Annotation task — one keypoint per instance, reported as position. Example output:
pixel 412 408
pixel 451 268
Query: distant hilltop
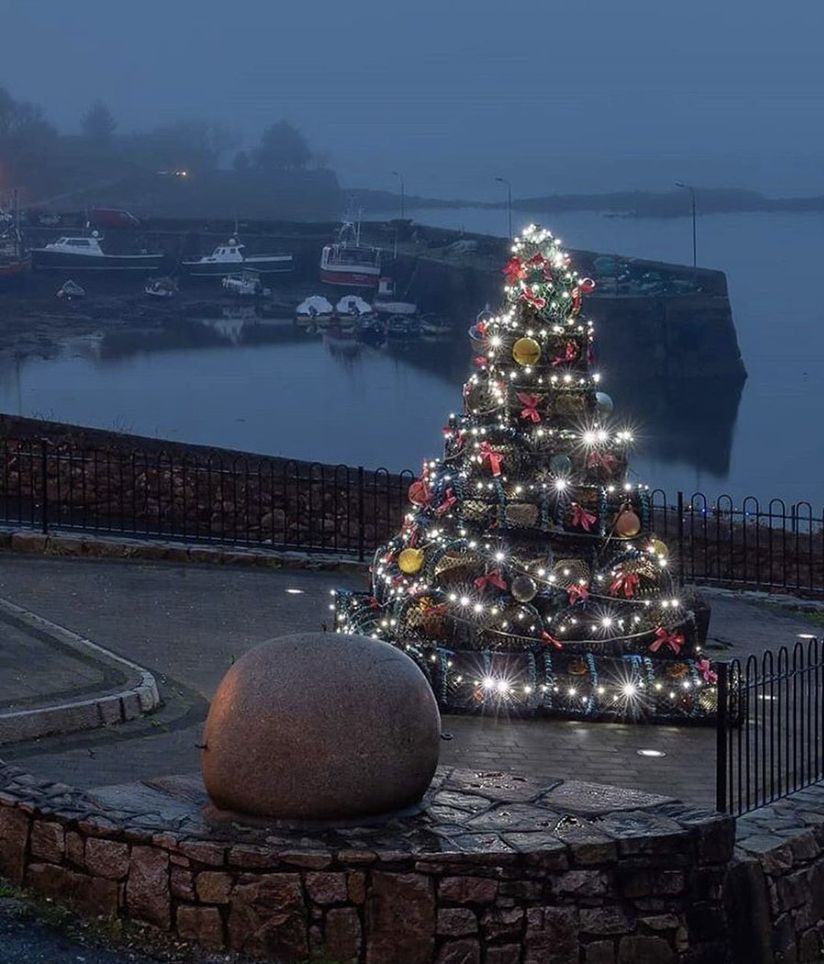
pixel 640 204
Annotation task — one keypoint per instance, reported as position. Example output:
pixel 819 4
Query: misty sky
pixel 594 95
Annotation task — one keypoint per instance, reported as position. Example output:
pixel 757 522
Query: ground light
pixel 650 753
pixel 295 592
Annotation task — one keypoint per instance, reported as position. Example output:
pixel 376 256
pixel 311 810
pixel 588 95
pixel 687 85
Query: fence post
pixel 722 722
pixel 361 520
pixel 681 538
pixel 44 481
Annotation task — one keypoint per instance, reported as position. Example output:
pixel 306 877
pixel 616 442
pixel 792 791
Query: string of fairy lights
pixel 525 540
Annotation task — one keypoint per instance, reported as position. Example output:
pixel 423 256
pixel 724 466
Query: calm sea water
pixel 268 388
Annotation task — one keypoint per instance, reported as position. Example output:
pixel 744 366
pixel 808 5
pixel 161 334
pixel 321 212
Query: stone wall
pixel 105 481
pixel 630 878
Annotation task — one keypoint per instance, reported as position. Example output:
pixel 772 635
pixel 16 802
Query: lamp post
pixel 403 194
pixel 691 189
pixel 503 180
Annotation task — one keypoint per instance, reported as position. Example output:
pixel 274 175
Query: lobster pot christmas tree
pixel 527 572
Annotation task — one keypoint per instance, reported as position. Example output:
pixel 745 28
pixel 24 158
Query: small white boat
pixel 70 291
pixel 161 288
pixel 231 257
pixel 315 310
pixel 386 304
pixel 353 308
pixel 247 284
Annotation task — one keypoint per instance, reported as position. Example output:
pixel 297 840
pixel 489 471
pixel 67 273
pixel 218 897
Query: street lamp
pixel 503 180
pixel 403 193
pixel 691 189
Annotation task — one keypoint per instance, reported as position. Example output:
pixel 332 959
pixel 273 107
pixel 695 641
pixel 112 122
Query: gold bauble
pixel 411 561
pixel 526 351
pixel 658 547
pixel 627 524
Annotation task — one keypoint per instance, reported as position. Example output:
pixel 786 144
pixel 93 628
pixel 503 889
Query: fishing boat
pixel 247 284
pixel 87 254
pixel 70 291
pixel 314 311
pixel 387 304
pixel 161 287
pixel 347 262
pixel 232 256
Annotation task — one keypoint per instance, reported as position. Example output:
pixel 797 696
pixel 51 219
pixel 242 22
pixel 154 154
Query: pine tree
pixel 526 572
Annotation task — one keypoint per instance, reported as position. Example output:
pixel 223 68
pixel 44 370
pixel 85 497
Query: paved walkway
pixel 187 624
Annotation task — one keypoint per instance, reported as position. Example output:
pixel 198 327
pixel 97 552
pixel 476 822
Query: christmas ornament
pixel 418 492
pixel 523 588
pixel 627 524
pixel 560 463
pixel 658 547
pixel 534 299
pixel 530 403
pixel 410 561
pixel 570 353
pixel 495 458
pixel 604 403
pixel 493 578
pixel 577 667
pixel 526 351
pixel 581 518
pixel 663 637
pixel 514 271
pixel 704 667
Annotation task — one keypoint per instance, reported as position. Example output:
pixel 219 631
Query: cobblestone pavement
pixel 187 623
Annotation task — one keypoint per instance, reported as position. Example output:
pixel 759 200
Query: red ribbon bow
pixel 599 460
pixel 493 578
pixel 551 640
pixel 570 354
pixel 514 270
pixel 664 637
pixel 495 458
pixel 577 593
pixel 586 285
pixel 530 402
pixel 705 669
pixel 626 583
pixel 480 361
pixel 582 518
pixel 373 603
pixel 448 502
pixel 533 298
pixel 480 327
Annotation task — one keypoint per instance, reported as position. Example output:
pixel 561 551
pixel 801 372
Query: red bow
pixel 551 640
pixel 373 603
pixel 495 458
pixel 665 638
pixel 480 327
pixel 599 460
pixel 577 593
pixel 514 270
pixel 576 300
pixel 493 578
pixel 530 402
pixel 480 361
pixel 706 670
pixel 447 503
pixel 537 261
pixel 626 582
pixel 582 518
pixel 533 298
pixel 569 355
pixel 586 285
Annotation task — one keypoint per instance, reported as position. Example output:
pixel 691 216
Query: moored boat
pixel 87 254
pixel 70 291
pixel 246 283
pixel 314 311
pixel 387 304
pixel 232 256
pixel 161 287
pixel 349 263
pixel 354 308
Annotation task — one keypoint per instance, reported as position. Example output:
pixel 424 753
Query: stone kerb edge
pixel 622 898
pixel 140 695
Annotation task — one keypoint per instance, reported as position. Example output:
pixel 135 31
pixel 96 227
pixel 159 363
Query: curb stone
pixel 140 695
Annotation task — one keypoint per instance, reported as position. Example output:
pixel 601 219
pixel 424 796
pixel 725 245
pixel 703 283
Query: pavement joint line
pixel 140 696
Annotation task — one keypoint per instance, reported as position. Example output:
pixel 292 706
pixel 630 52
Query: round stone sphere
pixel 321 726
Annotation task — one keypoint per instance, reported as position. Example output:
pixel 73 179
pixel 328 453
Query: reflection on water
pixel 260 384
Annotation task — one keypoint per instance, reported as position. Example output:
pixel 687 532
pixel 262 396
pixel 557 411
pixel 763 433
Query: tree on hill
pixel 98 124
pixel 27 142
pixel 282 148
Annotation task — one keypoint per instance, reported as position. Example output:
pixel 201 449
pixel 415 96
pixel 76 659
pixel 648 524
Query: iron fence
pixel 769 726
pixel 239 501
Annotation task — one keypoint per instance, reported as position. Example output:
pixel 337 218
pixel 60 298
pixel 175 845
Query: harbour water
pixel 265 386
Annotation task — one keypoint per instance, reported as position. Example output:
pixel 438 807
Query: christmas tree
pixel 526 572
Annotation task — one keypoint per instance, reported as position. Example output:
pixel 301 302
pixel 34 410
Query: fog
pixel 594 95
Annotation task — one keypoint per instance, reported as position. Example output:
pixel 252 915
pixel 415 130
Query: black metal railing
pixel 769 728
pixel 240 501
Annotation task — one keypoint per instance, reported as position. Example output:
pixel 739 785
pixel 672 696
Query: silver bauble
pixel 604 403
pixel 523 588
